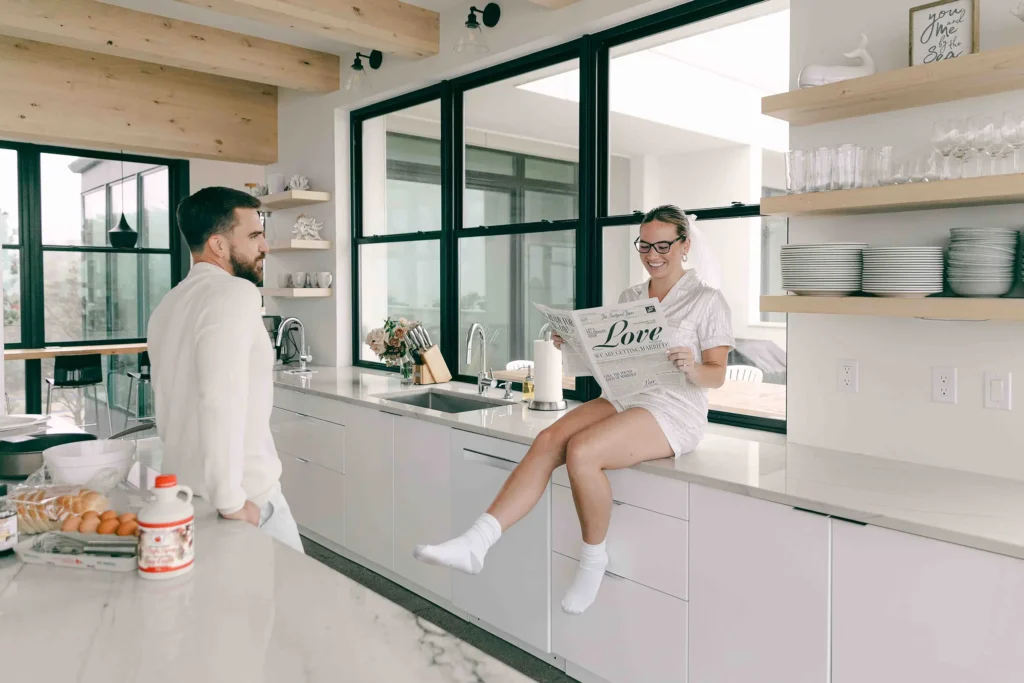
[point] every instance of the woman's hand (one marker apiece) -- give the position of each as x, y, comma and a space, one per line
682, 357
557, 341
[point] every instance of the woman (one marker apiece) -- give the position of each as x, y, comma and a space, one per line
602, 434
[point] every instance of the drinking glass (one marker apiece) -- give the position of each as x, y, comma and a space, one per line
926, 168
942, 141
824, 161
901, 171
845, 166
863, 175
885, 171
994, 148
979, 131
1013, 135
961, 146
796, 171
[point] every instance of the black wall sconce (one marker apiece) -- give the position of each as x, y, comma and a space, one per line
355, 79
472, 40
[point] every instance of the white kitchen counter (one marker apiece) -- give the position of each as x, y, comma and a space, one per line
252, 610
969, 509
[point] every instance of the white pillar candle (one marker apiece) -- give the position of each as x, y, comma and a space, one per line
547, 372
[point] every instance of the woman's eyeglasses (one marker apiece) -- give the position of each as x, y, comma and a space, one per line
660, 247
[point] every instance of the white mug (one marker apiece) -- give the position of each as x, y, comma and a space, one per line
284, 280
275, 183
298, 279
323, 280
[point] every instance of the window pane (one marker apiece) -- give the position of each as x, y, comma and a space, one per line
706, 144
156, 228
14, 386
399, 280
487, 207
74, 196
8, 196
499, 280
12, 295
540, 150
79, 405
96, 296
402, 171
725, 253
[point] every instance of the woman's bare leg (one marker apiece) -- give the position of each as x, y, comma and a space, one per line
623, 440
519, 494
526, 484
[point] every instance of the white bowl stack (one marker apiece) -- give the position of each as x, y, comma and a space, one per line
831, 269
905, 272
982, 261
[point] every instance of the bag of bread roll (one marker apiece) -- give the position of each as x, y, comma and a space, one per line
44, 508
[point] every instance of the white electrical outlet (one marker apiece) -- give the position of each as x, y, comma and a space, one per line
998, 390
849, 377
944, 385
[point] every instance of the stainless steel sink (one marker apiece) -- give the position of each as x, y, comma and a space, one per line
445, 401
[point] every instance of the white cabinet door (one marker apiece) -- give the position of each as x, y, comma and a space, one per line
422, 499
309, 438
511, 593
631, 634
316, 496
369, 481
906, 608
758, 591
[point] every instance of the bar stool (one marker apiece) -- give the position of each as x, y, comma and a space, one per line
79, 372
143, 378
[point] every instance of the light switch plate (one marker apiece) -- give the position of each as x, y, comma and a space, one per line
944, 385
998, 390
848, 376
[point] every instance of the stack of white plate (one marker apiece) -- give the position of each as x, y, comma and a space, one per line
908, 272
832, 269
982, 261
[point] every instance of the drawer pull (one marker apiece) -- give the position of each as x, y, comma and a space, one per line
811, 512
617, 502
489, 460
614, 576
391, 414
849, 521
302, 460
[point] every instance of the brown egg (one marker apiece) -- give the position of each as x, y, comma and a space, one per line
126, 517
107, 526
128, 528
71, 524
89, 524
109, 514
90, 514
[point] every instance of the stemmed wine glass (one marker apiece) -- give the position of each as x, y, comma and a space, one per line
979, 131
944, 144
1013, 134
961, 147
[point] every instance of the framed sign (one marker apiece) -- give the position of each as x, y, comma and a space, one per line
943, 30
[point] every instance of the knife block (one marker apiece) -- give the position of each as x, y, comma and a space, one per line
433, 370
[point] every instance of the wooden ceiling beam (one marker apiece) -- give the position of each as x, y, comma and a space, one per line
112, 30
386, 25
554, 4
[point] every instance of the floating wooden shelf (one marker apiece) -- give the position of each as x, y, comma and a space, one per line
983, 73
942, 194
300, 245
290, 199
942, 308
304, 293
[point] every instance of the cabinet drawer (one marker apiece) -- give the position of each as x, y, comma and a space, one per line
315, 495
315, 406
651, 492
643, 546
630, 634
496, 448
309, 438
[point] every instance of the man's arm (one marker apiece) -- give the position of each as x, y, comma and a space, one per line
223, 346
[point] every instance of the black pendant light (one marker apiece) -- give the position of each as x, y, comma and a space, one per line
122, 236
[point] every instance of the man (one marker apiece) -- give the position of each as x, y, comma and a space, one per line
212, 363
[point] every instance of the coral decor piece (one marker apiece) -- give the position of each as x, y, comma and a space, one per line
298, 182
307, 228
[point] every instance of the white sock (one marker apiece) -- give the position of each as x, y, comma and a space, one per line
466, 552
583, 591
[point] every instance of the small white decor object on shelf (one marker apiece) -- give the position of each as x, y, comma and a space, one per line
943, 30
307, 228
816, 74
1018, 11
298, 182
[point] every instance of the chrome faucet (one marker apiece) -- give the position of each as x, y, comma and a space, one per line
304, 355
483, 379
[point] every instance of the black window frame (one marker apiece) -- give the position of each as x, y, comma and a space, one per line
593, 55
31, 247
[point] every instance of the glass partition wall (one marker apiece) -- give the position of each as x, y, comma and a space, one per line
524, 183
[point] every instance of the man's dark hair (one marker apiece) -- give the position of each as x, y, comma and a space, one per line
211, 211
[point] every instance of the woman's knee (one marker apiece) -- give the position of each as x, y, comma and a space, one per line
549, 446
580, 454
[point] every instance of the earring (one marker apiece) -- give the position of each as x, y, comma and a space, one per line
686, 257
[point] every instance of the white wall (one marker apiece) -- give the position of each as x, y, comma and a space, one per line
892, 415
207, 173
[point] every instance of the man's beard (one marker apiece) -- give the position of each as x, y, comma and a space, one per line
247, 270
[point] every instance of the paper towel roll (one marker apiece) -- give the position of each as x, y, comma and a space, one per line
547, 372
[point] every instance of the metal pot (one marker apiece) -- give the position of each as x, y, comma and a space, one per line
22, 455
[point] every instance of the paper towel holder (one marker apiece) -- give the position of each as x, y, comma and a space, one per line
548, 405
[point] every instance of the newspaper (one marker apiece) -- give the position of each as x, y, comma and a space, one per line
624, 344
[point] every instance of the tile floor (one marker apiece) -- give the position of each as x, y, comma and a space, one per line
523, 662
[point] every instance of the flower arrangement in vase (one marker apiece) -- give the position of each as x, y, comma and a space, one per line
391, 346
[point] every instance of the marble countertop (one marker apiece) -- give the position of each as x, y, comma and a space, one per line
252, 610
973, 510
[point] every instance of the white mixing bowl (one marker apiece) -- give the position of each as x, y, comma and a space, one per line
77, 463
